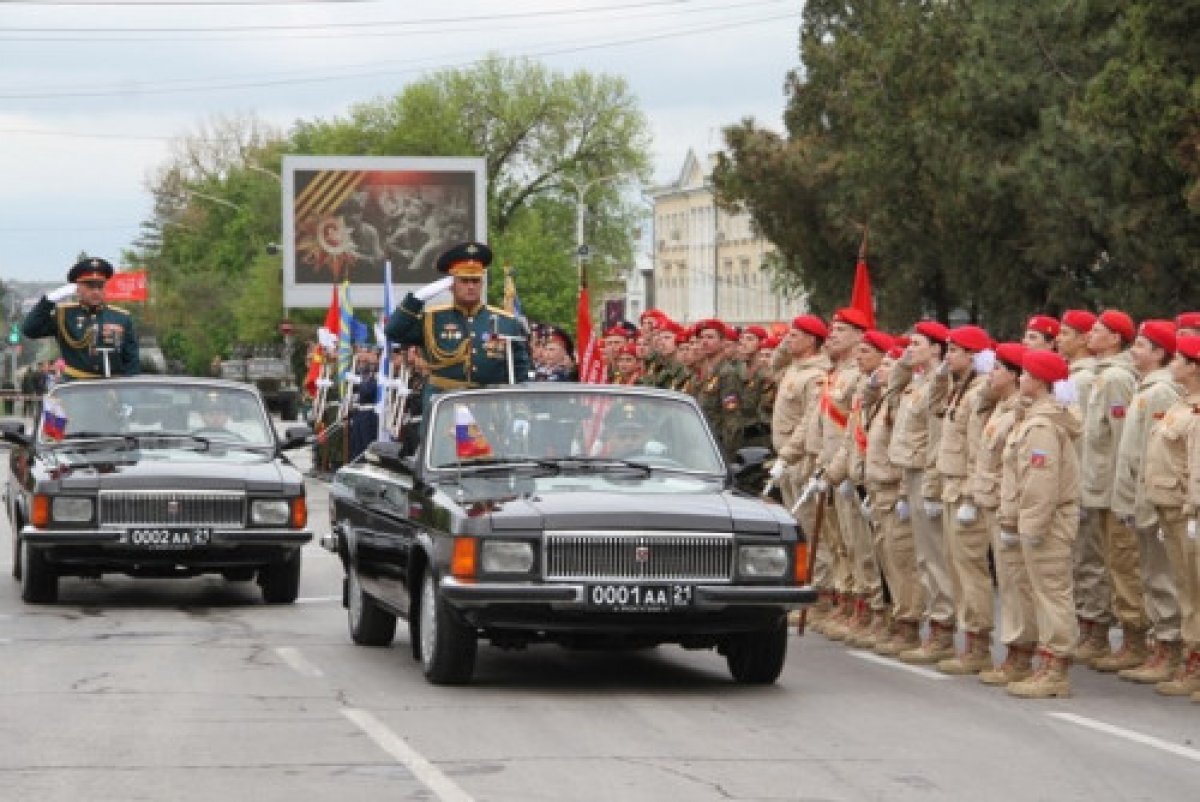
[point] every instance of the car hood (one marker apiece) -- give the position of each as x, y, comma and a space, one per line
198, 471
692, 512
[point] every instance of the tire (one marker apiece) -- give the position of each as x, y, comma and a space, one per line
756, 658
39, 582
370, 624
447, 646
280, 581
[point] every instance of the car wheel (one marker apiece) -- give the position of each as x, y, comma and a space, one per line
447, 646
39, 582
281, 580
756, 658
370, 624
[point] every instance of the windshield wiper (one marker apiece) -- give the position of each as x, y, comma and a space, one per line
599, 464
97, 439
495, 464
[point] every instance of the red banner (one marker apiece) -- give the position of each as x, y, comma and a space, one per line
127, 286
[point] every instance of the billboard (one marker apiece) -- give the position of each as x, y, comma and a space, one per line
344, 217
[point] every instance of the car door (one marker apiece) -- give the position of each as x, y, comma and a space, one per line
384, 535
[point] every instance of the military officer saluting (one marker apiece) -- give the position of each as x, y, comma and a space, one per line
96, 340
465, 342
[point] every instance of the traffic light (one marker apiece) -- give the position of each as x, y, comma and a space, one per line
14, 334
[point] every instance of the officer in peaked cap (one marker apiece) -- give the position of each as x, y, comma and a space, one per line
465, 341
96, 340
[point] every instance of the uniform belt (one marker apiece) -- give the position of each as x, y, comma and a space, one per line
443, 383
76, 373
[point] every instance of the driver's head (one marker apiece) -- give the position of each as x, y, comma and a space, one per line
213, 410
628, 438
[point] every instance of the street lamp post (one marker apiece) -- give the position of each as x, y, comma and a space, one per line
581, 191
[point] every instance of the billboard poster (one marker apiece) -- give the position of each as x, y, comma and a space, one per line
344, 217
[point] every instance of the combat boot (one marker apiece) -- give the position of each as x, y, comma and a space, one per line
838, 624
975, 657
881, 629
907, 636
1048, 682
1186, 680
1160, 666
860, 626
938, 645
1132, 653
1093, 641
820, 611
1017, 666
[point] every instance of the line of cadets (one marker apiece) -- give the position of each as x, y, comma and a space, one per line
1064, 469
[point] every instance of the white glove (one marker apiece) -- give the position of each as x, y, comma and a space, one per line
1009, 540
902, 510
1191, 528
777, 470
324, 383
846, 489
867, 508
967, 514
521, 428
983, 361
819, 485
933, 509
61, 294
353, 378
436, 288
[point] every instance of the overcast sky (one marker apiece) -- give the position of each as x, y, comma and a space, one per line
89, 99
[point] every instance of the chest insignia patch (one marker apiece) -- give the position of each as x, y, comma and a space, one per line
1037, 459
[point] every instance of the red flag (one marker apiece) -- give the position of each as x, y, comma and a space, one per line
591, 367
860, 296
333, 318
128, 285
316, 360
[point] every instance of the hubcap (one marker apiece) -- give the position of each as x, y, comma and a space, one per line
428, 620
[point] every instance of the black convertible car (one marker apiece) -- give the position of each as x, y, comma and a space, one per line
588, 516
155, 477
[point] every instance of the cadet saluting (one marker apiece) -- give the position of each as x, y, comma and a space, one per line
96, 340
464, 342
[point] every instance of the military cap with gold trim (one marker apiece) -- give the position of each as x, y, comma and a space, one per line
465, 259
90, 269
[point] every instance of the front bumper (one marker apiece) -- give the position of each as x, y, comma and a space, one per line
573, 596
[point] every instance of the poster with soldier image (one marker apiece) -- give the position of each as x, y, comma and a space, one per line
345, 217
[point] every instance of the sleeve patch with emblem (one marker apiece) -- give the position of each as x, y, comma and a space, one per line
1037, 459
1117, 411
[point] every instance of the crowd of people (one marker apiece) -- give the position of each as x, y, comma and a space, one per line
935, 466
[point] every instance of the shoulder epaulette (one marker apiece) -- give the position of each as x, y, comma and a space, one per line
499, 310
118, 309
439, 308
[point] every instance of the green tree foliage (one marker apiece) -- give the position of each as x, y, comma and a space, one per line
1007, 156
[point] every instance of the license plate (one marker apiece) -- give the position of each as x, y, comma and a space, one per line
165, 538
638, 598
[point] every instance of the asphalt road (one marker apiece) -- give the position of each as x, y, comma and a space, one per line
180, 690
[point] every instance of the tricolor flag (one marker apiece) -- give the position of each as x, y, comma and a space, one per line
469, 441
385, 354
54, 420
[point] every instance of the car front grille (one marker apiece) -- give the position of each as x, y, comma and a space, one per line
655, 556
172, 508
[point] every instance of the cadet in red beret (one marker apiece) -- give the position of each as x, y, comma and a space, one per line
1118, 323
1187, 324
879, 340
1041, 332
812, 325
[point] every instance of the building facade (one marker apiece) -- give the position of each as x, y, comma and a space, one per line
708, 262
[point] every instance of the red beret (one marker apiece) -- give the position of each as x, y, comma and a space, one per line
1188, 346
1188, 320
971, 338
1118, 323
670, 325
1161, 333
1045, 365
811, 324
1012, 355
1079, 319
732, 333
879, 340
896, 351
933, 330
628, 348
757, 331
653, 314
1043, 324
710, 323
902, 341
852, 316
769, 344
617, 331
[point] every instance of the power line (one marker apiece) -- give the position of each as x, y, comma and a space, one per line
179, 3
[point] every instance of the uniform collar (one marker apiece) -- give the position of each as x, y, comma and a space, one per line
469, 311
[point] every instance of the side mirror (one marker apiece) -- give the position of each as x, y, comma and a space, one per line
13, 431
295, 436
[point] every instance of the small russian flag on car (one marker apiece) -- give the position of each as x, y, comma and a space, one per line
54, 419
468, 439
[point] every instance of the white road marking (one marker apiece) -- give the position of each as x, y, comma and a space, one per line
318, 599
927, 673
428, 774
1128, 735
297, 662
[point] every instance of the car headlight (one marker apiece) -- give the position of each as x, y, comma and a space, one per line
276, 512
507, 557
66, 508
762, 561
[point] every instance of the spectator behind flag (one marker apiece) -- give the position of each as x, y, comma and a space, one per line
54, 420
469, 441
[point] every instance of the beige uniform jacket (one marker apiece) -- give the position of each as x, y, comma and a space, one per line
1107, 407
987, 467
1166, 470
960, 404
799, 390
1083, 374
1041, 469
910, 433
880, 474
833, 412
1155, 395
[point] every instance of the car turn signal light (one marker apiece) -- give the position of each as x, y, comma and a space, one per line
801, 571
463, 559
39, 514
299, 512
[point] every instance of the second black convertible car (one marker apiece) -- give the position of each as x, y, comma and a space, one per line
592, 517
156, 477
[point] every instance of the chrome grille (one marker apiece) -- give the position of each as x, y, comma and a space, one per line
172, 508
654, 556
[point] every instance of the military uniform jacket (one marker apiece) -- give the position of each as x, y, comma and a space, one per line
1083, 374
1166, 470
881, 474
1103, 423
955, 447
463, 346
833, 415
798, 393
718, 392
77, 329
1155, 395
987, 467
910, 435
1041, 471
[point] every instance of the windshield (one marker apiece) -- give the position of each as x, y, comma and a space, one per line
573, 426
212, 413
